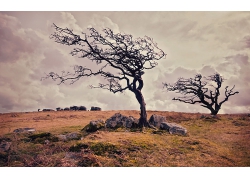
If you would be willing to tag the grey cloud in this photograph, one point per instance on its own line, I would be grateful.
(196, 42)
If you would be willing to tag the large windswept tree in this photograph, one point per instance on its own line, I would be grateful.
(195, 90)
(118, 51)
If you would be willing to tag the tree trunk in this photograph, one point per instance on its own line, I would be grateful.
(214, 112)
(143, 115)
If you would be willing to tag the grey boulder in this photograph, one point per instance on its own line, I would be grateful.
(119, 120)
(173, 128)
(69, 136)
(94, 125)
(24, 130)
(156, 120)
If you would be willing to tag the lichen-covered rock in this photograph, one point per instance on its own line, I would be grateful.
(173, 128)
(69, 136)
(94, 126)
(156, 120)
(62, 137)
(24, 130)
(73, 136)
(119, 120)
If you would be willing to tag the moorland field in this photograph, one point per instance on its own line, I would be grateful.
(210, 142)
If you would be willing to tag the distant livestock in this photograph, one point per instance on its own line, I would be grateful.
(82, 108)
(95, 108)
(59, 109)
(48, 110)
(78, 108)
(73, 108)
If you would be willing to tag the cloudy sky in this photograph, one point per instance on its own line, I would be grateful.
(195, 42)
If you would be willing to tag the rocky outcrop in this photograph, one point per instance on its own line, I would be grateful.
(173, 128)
(118, 120)
(94, 126)
(24, 130)
(156, 120)
(95, 108)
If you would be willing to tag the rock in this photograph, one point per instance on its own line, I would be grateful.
(69, 136)
(73, 136)
(173, 128)
(62, 137)
(118, 120)
(46, 141)
(202, 116)
(4, 146)
(94, 125)
(156, 120)
(24, 130)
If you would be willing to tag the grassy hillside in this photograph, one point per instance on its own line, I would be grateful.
(210, 142)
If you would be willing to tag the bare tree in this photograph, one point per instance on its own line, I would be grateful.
(118, 51)
(195, 90)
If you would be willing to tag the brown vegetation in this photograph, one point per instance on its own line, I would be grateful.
(220, 141)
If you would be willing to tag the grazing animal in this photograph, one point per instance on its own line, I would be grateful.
(95, 108)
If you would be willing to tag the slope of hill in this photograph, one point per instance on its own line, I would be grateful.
(210, 141)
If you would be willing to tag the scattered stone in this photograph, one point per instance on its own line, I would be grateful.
(173, 128)
(24, 130)
(118, 120)
(69, 136)
(202, 116)
(73, 136)
(4, 146)
(46, 141)
(156, 120)
(94, 125)
(62, 137)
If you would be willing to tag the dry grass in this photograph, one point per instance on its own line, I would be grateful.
(210, 142)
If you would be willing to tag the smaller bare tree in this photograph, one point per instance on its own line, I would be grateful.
(195, 90)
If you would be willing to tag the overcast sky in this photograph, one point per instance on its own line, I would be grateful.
(195, 42)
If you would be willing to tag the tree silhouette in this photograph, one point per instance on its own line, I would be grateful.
(195, 90)
(118, 51)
